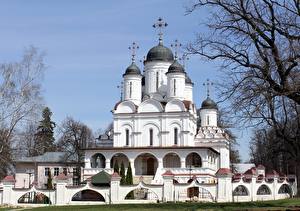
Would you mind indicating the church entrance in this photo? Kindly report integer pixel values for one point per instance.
(145, 164)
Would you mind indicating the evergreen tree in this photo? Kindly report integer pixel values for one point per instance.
(116, 167)
(44, 141)
(122, 174)
(49, 181)
(129, 181)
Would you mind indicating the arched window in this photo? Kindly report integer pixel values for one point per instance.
(263, 190)
(151, 136)
(157, 81)
(240, 191)
(174, 87)
(193, 160)
(175, 136)
(284, 189)
(127, 137)
(207, 120)
(130, 89)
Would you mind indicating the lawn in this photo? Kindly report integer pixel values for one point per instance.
(286, 204)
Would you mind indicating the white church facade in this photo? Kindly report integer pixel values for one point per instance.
(176, 151)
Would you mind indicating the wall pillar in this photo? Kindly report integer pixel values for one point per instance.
(224, 186)
(107, 163)
(253, 188)
(275, 184)
(182, 161)
(115, 188)
(8, 185)
(61, 196)
(168, 188)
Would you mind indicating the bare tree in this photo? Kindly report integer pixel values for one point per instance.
(258, 44)
(20, 98)
(73, 138)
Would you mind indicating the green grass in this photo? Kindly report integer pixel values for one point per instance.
(291, 204)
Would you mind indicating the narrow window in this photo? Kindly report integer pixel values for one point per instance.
(175, 136)
(130, 89)
(47, 170)
(174, 87)
(157, 81)
(65, 171)
(151, 137)
(207, 120)
(56, 171)
(127, 137)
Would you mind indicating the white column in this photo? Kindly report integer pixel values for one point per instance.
(107, 163)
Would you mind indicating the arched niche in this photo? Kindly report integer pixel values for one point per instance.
(145, 164)
(119, 158)
(171, 160)
(193, 160)
(98, 161)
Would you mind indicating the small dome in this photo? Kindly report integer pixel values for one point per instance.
(188, 80)
(176, 68)
(132, 70)
(209, 104)
(160, 53)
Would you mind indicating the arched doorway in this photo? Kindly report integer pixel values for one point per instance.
(34, 198)
(145, 164)
(119, 158)
(88, 195)
(193, 160)
(171, 160)
(98, 161)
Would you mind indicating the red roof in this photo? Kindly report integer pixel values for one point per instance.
(272, 173)
(168, 173)
(61, 176)
(223, 171)
(115, 174)
(9, 178)
(251, 171)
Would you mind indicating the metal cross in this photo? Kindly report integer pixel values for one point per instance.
(183, 59)
(160, 24)
(133, 49)
(208, 85)
(121, 90)
(176, 47)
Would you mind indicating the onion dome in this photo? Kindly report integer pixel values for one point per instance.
(160, 53)
(176, 68)
(209, 104)
(132, 70)
(188, 80)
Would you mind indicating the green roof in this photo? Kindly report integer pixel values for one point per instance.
(102, 178)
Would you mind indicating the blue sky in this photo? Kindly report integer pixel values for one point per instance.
(86, 44)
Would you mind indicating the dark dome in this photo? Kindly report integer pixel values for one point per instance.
(132, 70)
(160, 53)
(188, 80)
(176, 68)
(209, 104)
